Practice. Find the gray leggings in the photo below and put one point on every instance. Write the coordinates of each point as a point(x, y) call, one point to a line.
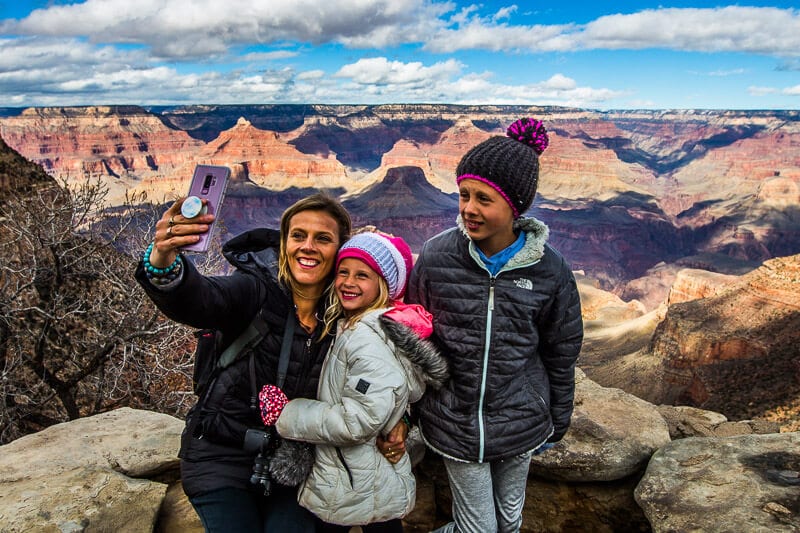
point(487, 497)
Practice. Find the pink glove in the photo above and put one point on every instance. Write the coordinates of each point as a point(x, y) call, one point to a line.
point(272, 401)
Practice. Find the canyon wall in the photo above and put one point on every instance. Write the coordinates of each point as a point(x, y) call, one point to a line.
point(623, 191)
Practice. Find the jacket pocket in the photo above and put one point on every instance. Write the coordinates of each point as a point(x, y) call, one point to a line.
point(346, 467)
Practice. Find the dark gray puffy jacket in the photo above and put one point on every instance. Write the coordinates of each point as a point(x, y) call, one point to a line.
point(512, 342)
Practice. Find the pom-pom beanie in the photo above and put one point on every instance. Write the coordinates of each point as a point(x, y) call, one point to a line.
point(389, 256)
point(509, 164)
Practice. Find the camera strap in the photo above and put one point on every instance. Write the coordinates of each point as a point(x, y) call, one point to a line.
point(286, 346)
point(283, 362)
point(249, 338)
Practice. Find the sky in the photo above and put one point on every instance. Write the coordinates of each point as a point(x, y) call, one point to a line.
point(593, 55)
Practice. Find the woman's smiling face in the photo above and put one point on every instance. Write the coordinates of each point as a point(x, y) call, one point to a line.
point(311, 245)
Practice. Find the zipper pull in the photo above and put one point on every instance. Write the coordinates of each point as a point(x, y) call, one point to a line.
point(491, 294)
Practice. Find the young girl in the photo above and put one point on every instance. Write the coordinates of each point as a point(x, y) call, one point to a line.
point(378, 363)
point(508, 319)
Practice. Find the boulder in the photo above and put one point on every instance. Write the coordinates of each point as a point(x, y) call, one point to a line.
point(744, 483)
point(118, 471)
point(108, 472)
point(685, 421)
point(612, 436)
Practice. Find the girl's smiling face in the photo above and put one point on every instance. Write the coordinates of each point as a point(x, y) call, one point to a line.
point(357, 286)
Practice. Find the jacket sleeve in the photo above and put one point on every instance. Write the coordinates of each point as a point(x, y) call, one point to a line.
point(372, 392)
point(561, 336)
point(222, 302)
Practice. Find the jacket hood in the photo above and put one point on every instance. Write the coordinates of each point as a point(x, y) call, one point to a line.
point(422, 360)
point(536, 237)
point(255, 251)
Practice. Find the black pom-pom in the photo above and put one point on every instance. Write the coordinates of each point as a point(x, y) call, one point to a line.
point(531, 132)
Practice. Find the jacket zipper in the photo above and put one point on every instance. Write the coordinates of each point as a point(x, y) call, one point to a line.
point(306, 364)
point(485, 370)
point(487, 342)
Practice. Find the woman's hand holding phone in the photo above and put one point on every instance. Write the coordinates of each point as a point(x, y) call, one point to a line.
point(175, 232)
point(180, 228)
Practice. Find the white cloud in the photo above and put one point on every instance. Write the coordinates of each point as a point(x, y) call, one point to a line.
point(478, 34)
point(32, 53)
point(761, 91)
point(443, 82)
point(764, 30)
point(120, 51)
point(504, 13)
point(311, 75)
point(767, 91)
point(202, 28)
point(726, 73)
point(198, 28)
point(381, 71)
point(71, 72)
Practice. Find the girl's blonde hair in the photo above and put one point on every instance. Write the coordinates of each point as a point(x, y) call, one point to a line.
point(334, 310)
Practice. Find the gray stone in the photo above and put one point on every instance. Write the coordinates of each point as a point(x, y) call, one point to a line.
point(686, 421)
point(91, 474)
point(612, 436)
point(745, 483)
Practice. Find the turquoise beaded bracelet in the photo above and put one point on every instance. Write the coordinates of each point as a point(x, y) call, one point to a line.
point(158, 271)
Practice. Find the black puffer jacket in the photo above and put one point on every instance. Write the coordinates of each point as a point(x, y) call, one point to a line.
point(213, 456)
point(512, 342)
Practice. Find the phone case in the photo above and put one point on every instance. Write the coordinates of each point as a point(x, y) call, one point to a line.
point(209, 182)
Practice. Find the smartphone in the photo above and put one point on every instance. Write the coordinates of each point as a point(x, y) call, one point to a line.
point(209, 182)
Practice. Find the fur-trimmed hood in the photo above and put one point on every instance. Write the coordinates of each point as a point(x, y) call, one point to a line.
point(420, 357)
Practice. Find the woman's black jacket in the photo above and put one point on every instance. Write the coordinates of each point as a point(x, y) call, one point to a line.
point(213, 456)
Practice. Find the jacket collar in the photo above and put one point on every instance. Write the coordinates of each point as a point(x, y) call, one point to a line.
point(414, 352)
point(536, 237)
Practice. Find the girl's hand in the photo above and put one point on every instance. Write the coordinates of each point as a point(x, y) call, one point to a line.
point(174, 231)
point(271, 401)
point(393, 446)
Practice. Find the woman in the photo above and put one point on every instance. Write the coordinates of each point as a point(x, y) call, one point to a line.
point(279, 275)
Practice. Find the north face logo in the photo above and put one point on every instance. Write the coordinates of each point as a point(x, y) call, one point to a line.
point(523, 283)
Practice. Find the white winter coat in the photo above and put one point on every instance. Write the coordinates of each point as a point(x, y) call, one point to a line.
point(365, 386)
